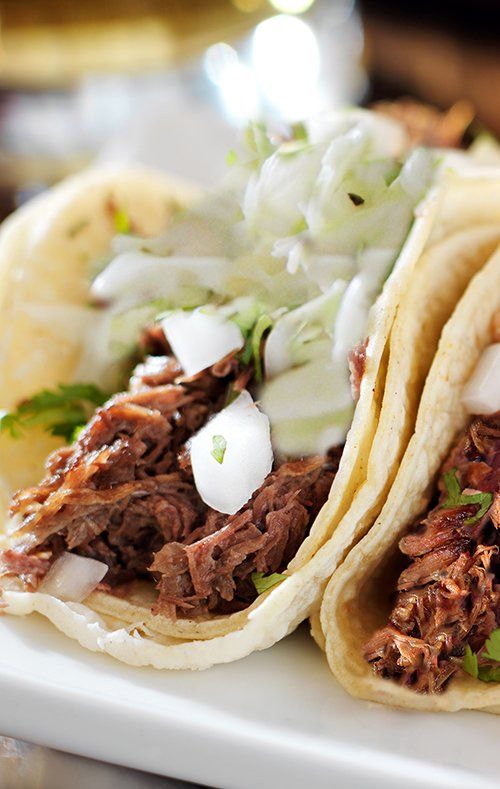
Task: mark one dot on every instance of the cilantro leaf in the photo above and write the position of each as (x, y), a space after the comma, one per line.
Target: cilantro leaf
(76, 433)
(60, 411)
(219, 444)
(489, 673)
(263, 324)
(452, 488)
(469, 663)
(264, 582)
(493, 646)
(9, 423)
(253, 333)
(492, 652)
(456, 498)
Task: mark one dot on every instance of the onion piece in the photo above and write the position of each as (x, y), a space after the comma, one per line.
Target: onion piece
(232, 455)
(72, 578)
(201, 338)
(481, 393)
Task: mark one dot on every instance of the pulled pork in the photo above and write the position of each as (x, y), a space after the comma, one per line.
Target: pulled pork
(448, 596)
(124, 494)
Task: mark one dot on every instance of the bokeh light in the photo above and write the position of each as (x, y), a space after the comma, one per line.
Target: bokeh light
(237, 86)
(286, 60)
(292, 6)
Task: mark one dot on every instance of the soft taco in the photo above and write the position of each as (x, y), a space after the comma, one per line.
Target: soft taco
(412, 617)
(217, 461)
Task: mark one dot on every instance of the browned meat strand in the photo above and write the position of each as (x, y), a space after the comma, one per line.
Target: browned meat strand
(122, 490)
(29, 568)
(124, 494)
(426, 125)
(212, 570)
(448, 596)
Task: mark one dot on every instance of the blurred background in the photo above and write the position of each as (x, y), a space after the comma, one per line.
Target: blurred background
(169, 82)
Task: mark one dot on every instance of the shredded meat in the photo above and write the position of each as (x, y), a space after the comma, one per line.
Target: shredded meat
(124, 494)
(427, 125)
(448, 595)
(122, 490)
(29, 568)
(213, 569)
(357, 364)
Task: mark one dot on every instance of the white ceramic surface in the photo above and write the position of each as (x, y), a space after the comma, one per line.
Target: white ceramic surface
(276, 719)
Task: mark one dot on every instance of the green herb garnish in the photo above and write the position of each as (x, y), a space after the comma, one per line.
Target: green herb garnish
(457, 499)
(263, 324)
(253, 337)
(469, 663)
(492, 652)
(493, 646)
(122, 221)
(60, 412)
(489, 673)
(264, 582)
(219, 444)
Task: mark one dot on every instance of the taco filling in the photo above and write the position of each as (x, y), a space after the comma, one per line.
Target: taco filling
(125, 494)
(446, 612)
(205, 473)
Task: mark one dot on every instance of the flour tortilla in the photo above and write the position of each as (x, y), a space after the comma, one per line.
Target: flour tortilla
(357, 600)
(400, 349)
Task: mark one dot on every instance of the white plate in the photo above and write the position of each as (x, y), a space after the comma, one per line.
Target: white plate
(276, 719)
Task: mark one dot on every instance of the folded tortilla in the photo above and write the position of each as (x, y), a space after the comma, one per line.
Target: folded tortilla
(44, 254)
(358, 598)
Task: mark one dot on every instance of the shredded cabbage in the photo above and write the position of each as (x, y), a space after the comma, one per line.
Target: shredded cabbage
(299, 237)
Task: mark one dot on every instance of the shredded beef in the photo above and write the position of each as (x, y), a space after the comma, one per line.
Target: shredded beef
(448, 595)
(122, 490)
(124, 494)
(213, 570)
(29, 568)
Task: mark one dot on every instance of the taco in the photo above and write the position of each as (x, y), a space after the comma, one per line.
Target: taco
(217, 462)
(412, 617)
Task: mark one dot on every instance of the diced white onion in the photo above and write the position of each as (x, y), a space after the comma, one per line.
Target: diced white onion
(247, 458)
(201, 338)
(72, 578)
(481, 393)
